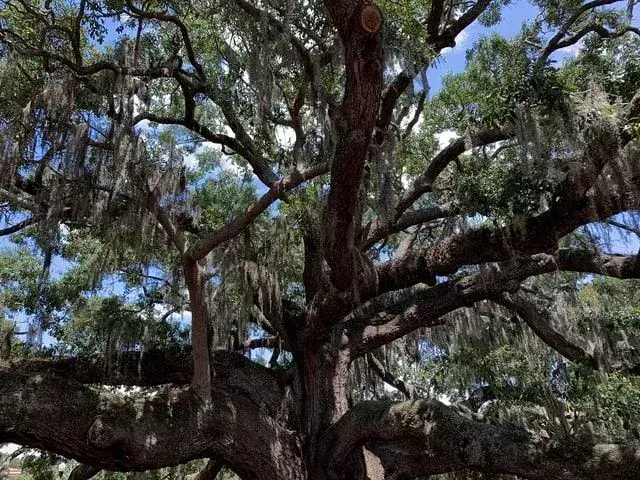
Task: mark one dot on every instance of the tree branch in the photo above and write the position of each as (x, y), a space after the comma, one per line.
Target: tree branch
(141, 431)
(18, 226)
(210, 241)
(447, 155)
(377, 230)
(387, 377)
(392, 315)
(539, 321)
(554, 43)
(425, 437)
(83, 472)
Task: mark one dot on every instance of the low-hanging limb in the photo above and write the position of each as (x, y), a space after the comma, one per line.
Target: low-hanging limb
(158, 368)
(424, 437)
(99, 427)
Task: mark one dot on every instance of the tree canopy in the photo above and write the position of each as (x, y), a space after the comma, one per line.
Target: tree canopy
(245, 237)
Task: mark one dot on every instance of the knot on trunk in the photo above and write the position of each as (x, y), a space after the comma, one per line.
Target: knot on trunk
(101, 435)
(370, 18)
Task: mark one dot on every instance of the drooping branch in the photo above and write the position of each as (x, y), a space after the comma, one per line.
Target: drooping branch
(425, 437)
(437, 40)
(539, 321)
(296, 43)
(386, 376)
(184, 32)
(598, 29)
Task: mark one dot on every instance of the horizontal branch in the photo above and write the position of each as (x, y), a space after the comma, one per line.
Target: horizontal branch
(536, 234)
(156, 367)
(150, 369)
(425, 437)
(394, 314)
(146, 430)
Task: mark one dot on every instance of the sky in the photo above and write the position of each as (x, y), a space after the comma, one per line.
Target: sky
(451, 61)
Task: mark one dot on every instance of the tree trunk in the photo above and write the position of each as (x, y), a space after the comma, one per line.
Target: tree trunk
(325, 382)
(194, 277)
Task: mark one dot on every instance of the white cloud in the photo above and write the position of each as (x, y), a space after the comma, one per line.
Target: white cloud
(572, 50)
(445, 137)
(461, 41)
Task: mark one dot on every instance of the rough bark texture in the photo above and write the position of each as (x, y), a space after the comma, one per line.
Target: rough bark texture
(354, 119)
(194, 278)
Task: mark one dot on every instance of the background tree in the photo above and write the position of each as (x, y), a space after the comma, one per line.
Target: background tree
(274, 169)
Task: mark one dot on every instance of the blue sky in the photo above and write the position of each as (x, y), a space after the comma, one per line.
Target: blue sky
(453, 61)
(513, 17)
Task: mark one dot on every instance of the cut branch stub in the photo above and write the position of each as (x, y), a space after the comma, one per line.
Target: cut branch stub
(370, 18)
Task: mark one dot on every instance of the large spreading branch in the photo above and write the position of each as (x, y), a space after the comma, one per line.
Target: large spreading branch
(574, 207)
(393, 315)
(99, 427)
(422, 438)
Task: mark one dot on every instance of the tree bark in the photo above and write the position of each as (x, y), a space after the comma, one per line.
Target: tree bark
(354, 119)
(195, 279)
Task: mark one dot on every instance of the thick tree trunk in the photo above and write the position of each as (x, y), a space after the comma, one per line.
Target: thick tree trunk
(194, 277)
(359, 26)
(325, 376)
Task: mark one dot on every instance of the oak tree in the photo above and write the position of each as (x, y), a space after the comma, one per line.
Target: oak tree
(275, 166)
